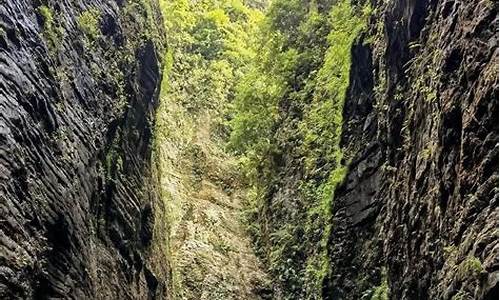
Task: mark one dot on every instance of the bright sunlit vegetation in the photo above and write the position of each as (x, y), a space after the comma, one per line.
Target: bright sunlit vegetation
(273, 77)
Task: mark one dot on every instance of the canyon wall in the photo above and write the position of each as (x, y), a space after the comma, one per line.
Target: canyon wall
(79, 84)
(373, 168)
(417, 214)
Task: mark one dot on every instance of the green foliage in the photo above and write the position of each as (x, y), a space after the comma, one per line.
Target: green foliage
(381, 292)
(52, 32)
(279, 83)
(303, 65)
(208, 36)
(48, 17)
(140, 18)
(208, 53)
(209, 46)
(428, 151)
(89, 22)
(256, 109)
(461, 295)
(321, 125)
(471, 266)
(113, 161)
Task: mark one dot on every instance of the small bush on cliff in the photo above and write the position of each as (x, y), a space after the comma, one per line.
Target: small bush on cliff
(470, 267)
(89, 22)
(51, 31)
(381, 292)
(48, 17)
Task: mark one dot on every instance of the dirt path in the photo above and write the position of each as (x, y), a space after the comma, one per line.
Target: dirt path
(212, 256)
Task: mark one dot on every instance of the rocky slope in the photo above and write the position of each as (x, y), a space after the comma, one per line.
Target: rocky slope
(78, 87)
(210, 252)
(417, 215)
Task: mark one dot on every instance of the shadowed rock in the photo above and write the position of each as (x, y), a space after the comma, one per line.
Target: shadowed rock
(78, 88)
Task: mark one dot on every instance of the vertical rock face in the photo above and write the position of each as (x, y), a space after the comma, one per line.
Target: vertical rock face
(418, 212)
(78, 88)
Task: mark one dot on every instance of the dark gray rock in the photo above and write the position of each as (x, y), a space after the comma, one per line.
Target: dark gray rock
(77, 195)
(423, 203)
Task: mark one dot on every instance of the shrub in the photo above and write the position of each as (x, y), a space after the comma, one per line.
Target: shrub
(89, 22)
(51, 32)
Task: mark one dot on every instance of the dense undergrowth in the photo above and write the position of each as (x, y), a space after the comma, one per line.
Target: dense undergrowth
(208, 50)
(288, 108)
(274, 85)
(208, 47)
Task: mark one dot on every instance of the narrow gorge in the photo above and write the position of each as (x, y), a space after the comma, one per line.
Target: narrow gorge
(249, 149)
